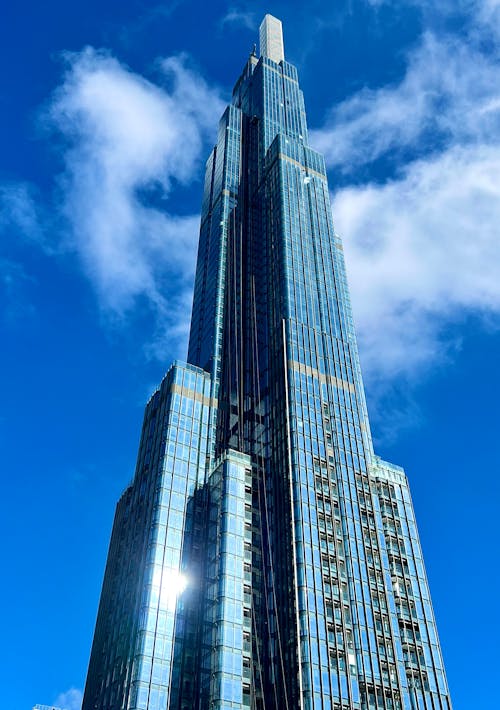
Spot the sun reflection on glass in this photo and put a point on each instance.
(172, 583)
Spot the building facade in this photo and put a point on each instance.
(264, 556)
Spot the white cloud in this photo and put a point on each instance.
(422, 251)
(237, 16)
(422, 248)
(18, 210)
(20, 220)
(449, 94)
(488, 12)
(444, 6)
(480, 16)
(126, 141)
(490, 7)
(69, 700)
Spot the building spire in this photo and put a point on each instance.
(271, 39)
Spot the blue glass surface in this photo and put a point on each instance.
(264, 556)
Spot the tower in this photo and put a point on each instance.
(264, 556)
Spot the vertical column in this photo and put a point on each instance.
(418, 647)
(271, 39)
(228, 604)
(175, 469)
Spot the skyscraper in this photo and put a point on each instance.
(264, 556)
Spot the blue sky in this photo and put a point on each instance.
(108, 111)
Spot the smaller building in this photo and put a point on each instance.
(45, 707)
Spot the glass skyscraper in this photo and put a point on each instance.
(263, 556)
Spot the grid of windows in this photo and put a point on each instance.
(263, 557)
(417, 627)
(146, 574)
(228, 603)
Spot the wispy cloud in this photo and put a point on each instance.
(478, 15)
(443, 7)
(422, 247)
(19, 210)
(488, 16)
(239, 16)
(69, 700)
(449, 94)
(126, 142)
(19, 218)
(422, 252)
